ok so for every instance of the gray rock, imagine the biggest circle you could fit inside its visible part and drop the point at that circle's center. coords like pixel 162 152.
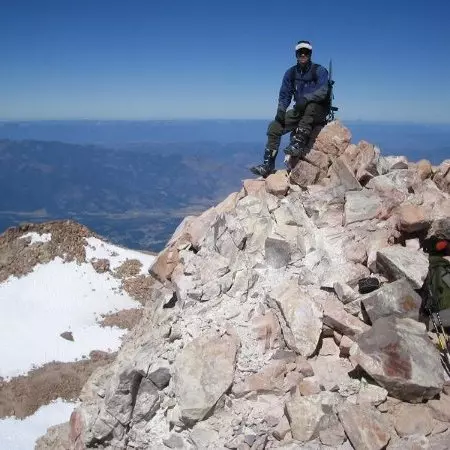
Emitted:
pixel 400 262
pixel 277 252
pixel 364 426
pixel 416 442
pixel 413 419
pixel 147 401
pixel 159 374
pixel 361 205
pixel 345 293
pixel 56 438
pixel 439 442
pixel 203 436
pixel 338 319
pixel 333 436
pixel 309 415
pixel 331 372
pixel 302 314
pixel 393 299
pixel 203 371
pixel 345 175
pixel 399 356
pixel 440 408
pixel 371 393
pixel 282 429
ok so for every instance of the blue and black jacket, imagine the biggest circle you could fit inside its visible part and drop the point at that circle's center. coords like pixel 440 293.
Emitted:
pixel 312 83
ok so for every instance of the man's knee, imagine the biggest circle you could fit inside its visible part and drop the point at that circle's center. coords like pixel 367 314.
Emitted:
pixel 315 112
pixel 274 129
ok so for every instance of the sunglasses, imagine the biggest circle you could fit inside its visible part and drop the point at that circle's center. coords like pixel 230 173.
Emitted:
pixel 303 52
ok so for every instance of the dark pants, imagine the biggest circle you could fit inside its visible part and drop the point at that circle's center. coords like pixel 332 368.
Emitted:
pixel 312 115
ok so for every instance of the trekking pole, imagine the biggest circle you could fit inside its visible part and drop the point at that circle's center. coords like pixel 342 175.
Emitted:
pixel 441 335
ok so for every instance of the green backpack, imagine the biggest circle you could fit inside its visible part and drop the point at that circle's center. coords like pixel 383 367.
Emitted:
pixel 438 284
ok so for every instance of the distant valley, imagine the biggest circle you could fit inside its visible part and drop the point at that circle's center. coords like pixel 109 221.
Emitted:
pixel 133 182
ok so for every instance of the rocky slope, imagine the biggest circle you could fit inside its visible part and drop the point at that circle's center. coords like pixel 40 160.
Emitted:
pixel 255 336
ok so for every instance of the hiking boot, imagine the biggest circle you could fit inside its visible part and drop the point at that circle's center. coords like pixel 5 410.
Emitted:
pixel 267 167
pixel 298 144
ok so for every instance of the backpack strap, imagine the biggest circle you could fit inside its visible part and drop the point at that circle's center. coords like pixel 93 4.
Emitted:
pixel 314 72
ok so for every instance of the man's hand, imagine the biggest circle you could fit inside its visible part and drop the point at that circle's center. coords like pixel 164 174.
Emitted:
pixel 281 117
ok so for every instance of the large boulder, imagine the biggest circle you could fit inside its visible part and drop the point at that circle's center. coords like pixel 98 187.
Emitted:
pixel 203 371
pixel 397 299
pixel 399 356
pixel 332 139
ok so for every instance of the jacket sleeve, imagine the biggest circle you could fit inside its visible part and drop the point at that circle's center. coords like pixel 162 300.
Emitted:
pixel 320 94
pixel 286 91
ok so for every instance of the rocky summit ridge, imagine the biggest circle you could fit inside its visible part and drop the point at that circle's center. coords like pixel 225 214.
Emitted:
pixel 254 334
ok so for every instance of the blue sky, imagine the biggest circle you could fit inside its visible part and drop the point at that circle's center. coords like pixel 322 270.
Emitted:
pixel 95 59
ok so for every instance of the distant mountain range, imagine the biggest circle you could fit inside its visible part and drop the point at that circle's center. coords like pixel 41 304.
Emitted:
pixel 133 182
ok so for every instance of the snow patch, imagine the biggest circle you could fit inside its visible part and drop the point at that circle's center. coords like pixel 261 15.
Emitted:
pixel 97 249
pixel 37 238
pixel 57 297
pixel 16 434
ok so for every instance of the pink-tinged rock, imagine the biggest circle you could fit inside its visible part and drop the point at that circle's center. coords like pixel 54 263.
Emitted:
pixel 194 228
pixel 268 380
pixel 440 408
pixel 333 436
pixel 366 162
pixel 343 175
pixel 424 169
pixel 318 159
pixel 329 347
pixel 345 345
pixel 303 366
pixel 254 187
pixel 411 218
pixel 338 319
pixel 442 176
pixel 309 386
pixel 413 419
pixel 349 156
pixel 165 264
pixel 400 357
pixel 332 139
pixel 415 442
pixel 267 330
pixel 277 183
pixel 75 431
pixel 364 426
pixel 304 174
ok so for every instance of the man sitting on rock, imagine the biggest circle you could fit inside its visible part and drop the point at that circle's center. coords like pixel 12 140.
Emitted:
pixel 308 84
